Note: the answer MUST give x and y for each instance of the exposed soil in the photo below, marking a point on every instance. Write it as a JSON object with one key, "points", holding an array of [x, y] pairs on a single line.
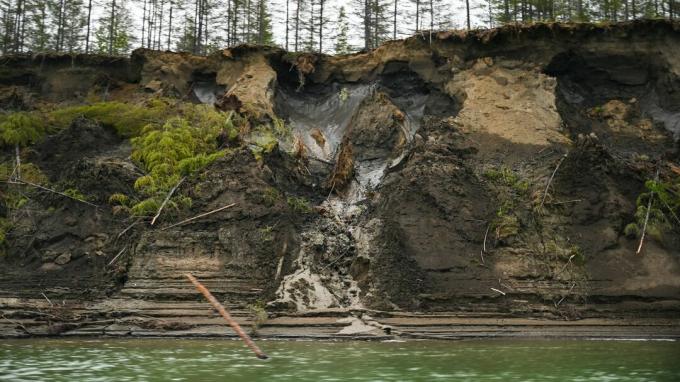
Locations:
{"points": [[425, 166]]}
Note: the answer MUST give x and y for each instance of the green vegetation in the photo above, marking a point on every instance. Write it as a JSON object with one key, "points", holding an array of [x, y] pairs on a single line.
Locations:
{"points": [[259, 315], [507, 177], [299, 205], [663, 212], [270, 196], [181, 147], [75, 194], [127, 119], [509, 188], [21, 128]]}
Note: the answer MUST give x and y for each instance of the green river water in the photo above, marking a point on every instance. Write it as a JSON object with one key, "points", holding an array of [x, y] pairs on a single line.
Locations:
{"points": [[225, 360]]}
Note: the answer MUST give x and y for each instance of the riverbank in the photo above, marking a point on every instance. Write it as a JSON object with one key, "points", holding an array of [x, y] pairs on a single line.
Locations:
{"points": [[518, 181], [198, 320]]}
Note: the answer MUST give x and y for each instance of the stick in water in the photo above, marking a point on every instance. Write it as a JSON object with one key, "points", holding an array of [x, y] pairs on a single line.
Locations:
{"points": [[234, 325]]}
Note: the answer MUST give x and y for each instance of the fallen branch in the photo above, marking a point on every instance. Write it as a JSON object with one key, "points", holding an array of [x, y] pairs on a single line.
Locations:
{"points": [[167, 198], [566, 202], [223, 312], [116, 257], [483, 251], [565, 296], [199, 216], [649, 209], [19, 324], [499, 291], [545, 193], [50, 190], [128, 228], [48, 300]]}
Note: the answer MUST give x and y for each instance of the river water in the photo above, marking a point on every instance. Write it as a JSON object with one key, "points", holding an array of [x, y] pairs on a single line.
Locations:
{"points": [[230, 361]]}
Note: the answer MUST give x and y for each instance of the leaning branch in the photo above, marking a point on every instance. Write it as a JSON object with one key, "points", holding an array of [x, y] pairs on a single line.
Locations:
{"points": [[199, 216], [167, 198], [547, 186], [649, 209], [223, 312], [50, 190]]}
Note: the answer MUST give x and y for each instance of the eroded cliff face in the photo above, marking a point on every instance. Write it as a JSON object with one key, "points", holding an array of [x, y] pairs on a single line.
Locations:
{"points": [[491, 172]]}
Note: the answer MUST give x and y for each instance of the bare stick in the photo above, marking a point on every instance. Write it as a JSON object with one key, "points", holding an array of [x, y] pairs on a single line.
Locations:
{"points": [[199, 216], [48, 300], [567, 201], [547, 186], [127, 228], [670, 210], [486, 234], [499, 291], [565, 296], [51, 190], [649, 208], [116, 257], [223, 312], [19, 324], [18, 161], [167, 198]]}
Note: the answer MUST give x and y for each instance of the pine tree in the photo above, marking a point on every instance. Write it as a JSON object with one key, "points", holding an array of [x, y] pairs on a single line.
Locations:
{"points": [[341, 42], [113, 35]]}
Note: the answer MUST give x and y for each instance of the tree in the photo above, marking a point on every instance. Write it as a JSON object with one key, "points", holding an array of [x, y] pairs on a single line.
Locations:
{"points": [[341, 43], [113, 35]]}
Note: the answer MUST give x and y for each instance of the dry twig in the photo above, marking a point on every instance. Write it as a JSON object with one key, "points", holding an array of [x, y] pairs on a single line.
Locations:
{"points": [[547, 186], [199, 216], [167, 198], [649, 208]]}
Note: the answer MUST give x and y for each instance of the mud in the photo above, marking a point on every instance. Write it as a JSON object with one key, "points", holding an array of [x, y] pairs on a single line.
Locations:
{"points": [[425, 165]]}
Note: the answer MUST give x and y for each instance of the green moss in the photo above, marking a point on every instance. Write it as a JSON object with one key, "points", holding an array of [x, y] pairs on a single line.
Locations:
{"points": [[127, 119], [663, 212], [299, 205], [271, 196], [119, 199], [21, 128], [181, 147], [631, 230], [75, 194], [505, 176]]}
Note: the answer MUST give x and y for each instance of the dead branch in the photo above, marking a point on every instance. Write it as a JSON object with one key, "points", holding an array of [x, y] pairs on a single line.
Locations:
{"points": [[128, 228], [116, 257], [19, 324], [565, 296], [649, 209], [497, 290], [50, 190], [547, 186], [48, 300], [483, 251], [167, 198], [223, 312], [199, 216]]}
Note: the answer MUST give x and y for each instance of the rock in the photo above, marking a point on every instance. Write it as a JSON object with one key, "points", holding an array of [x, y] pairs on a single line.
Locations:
{"points": [[63, 259]]}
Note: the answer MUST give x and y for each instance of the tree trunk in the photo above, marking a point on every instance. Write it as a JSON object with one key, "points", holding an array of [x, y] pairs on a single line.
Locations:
{"points": [[394, 21], [467, 13], [287, 6], [111, 25], [170, 27], [321, 25], [143, 22], [89, 19]]}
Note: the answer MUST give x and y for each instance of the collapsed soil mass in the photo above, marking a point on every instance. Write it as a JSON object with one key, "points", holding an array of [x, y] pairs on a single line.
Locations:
{"points": [[425, 163]]}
